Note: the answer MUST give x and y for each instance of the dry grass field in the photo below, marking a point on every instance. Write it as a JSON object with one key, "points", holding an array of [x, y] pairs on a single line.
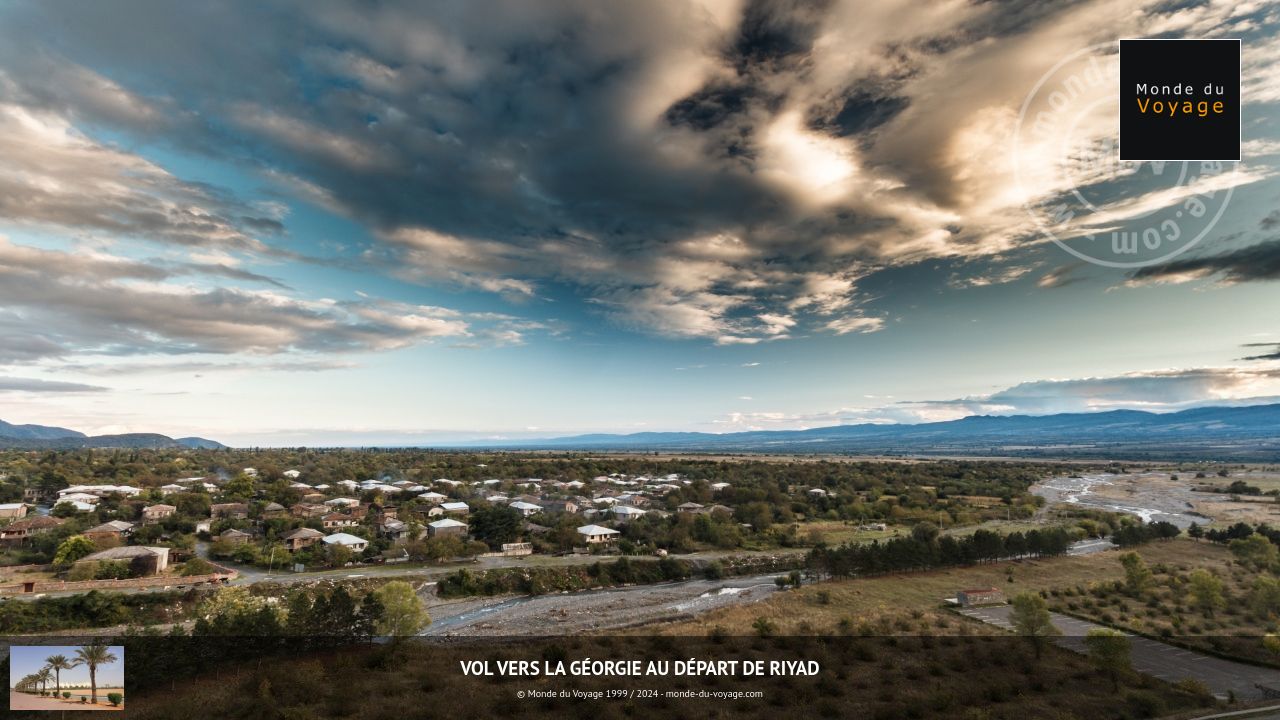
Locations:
{"points": [[917, 598]]}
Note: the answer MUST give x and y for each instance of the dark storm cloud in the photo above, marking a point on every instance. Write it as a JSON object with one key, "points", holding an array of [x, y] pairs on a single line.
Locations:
{"points": [[698, 169], [1272, 351], [1248, 264]]}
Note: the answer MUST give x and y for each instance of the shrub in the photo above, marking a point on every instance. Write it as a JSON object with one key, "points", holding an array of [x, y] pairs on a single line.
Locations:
{"points": [[115, 698], [764, 627], [66, 694]]}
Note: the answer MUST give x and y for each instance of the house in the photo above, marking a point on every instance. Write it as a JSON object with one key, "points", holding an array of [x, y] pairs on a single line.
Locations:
{"points": [[525, 508], [308, 510], [13, 510], [100, 490], [689, 507], [596, 534], [626, 513], [229, 510], [337, 520], [717, 487], [356, 544], [434, 498], [561, 506], [274, 510], [342, 502], [292, 474], [114, 530], [144, 560], [301, 538], [455, 508], [202, 526], [234, 537], [171, 488], [395, 530], [82, 498], [817, 492], [20, 530], [980, 596], [447, 526], [152, 513]]}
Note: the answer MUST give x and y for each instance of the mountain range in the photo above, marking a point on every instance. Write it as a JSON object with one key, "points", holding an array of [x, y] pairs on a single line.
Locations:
{"points": [[1251, 432], [59, 438]]}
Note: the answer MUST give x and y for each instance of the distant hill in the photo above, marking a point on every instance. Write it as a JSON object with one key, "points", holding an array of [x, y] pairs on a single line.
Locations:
{"points": [[199, 443], [36, 432], [1240, 433], [40, 437]]}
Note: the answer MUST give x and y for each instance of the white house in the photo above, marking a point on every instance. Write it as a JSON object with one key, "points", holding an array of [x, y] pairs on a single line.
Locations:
{"points": [[433, 497], [342, 502], [625, 513], [79, 497], [594, 534], [526, 508], [455, 508], [292, 474], [356, 544]]}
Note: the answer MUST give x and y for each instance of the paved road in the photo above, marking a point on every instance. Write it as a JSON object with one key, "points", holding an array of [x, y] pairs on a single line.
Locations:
{"points": [[1161, 660], [1089, 547]]}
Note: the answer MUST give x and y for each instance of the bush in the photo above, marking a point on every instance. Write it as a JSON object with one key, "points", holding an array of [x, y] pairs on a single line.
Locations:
{"points": [[764, 627], [66, 694], [115, 698]]}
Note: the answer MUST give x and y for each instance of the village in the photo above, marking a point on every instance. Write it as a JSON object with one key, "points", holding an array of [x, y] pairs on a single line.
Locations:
{"points": [[196, 527]]}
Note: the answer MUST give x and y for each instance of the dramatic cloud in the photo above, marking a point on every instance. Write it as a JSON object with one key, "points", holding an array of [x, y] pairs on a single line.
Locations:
{"points": [[92, 303], [1251, 263], [718, 169], [1157, 391]]}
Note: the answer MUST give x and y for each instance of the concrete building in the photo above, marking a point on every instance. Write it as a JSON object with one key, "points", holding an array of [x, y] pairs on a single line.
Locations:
{"points": [[596, 534], [447, 526]]}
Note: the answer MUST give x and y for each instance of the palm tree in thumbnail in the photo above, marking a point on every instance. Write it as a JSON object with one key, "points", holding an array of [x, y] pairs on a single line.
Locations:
{"points": [[43, 676], [58, 663], [93, 656]]}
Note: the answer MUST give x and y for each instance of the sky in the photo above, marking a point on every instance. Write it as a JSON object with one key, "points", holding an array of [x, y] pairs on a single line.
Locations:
{"points": [[325, 222], [28, 659]]}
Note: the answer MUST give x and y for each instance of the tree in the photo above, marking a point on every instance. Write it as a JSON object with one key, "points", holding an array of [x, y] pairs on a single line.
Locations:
{"points": [[93, 656], [1271, 642], [1031, 619], [1137, 576], [58, 663], [338, 554], [72, 549], [1264, 599], [1109, 653], [403, 612], [495, 525], [1206, 591], [1255, 552], [43, 676], [1195, 531], [925, 532]]}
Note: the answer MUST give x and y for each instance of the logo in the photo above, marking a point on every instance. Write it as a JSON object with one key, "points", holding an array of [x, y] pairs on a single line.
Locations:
{"points": [[1101, 209]]}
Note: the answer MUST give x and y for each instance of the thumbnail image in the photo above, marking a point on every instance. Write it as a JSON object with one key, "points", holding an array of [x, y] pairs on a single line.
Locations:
{"points": [[66, 677]]}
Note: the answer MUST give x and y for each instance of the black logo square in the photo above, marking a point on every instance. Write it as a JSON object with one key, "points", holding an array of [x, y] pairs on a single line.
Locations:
{"points": [[1179, 99]]}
